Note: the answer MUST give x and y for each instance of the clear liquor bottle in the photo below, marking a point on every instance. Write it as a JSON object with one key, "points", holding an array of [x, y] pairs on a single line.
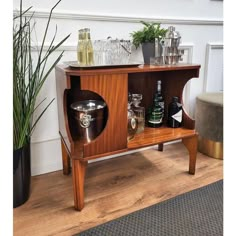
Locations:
{"points": [[139, 111], [81, 50], [89, 48]]}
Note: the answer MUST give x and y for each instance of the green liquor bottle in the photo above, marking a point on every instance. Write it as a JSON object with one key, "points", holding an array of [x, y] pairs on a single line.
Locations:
{"points": [[155, 116], [158, 96], [156, 112]]}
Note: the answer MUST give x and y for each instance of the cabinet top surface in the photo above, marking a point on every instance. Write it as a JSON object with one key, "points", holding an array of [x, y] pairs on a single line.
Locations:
{"points": [[133, 69]]}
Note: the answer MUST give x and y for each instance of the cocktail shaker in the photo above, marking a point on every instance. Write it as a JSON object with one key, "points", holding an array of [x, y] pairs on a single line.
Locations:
{"points": [[171, 53]]}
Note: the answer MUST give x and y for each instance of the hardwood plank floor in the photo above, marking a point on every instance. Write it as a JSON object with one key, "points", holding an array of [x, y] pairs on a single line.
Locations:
{"points": [[113, 188]]}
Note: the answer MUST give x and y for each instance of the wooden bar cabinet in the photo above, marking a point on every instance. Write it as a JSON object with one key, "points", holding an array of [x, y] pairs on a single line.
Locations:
{"points": [[112, 84]]}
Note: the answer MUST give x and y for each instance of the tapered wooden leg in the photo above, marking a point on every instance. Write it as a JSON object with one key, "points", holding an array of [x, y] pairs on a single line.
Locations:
{"points": [[65, 159], [160, 147], [191, 144], [78, 173]]}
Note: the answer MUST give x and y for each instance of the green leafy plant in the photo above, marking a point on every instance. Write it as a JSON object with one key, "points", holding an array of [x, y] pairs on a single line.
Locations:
{"points": [[148, 34], [29, 75]]}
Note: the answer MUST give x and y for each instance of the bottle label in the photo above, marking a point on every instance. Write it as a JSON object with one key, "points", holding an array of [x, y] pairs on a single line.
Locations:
{"points": [[155, 121], [178, 116], [133, 123], [155, 118]]}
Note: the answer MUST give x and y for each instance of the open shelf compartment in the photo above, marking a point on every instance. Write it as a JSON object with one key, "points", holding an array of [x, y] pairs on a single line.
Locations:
{"points": [[153, 136]]}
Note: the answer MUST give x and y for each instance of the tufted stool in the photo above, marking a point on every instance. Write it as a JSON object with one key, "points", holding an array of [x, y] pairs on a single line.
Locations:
{"points": [[209, 124]]}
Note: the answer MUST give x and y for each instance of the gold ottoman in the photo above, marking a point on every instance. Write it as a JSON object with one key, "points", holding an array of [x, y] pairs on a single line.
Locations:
{"points": [[209, 124]]}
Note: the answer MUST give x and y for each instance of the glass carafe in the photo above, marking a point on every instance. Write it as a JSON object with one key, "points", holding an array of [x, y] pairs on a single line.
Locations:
{"points": [[139, 111], [132, 121]]}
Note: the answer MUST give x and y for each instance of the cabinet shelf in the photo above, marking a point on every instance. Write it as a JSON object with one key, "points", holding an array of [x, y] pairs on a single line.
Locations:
{"points": [[152, 136], [149, 137]]}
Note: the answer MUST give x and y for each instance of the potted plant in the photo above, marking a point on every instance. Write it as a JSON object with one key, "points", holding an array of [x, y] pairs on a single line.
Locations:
{"points": [[29, 76], [146, 38]]}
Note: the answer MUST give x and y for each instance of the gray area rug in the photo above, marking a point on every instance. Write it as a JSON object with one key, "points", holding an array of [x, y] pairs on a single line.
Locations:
{"points": [[196, 213]]}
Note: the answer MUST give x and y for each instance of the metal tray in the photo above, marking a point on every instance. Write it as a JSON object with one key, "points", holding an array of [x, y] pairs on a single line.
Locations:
{"points": [[74, 64]]}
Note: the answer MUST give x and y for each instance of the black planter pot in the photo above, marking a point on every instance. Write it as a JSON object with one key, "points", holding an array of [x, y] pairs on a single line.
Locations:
{"points": [[148, 51], [21, 175]]}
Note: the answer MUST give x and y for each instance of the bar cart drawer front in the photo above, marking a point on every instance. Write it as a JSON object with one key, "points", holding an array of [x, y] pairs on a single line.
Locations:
{"points": [[113, 88]]}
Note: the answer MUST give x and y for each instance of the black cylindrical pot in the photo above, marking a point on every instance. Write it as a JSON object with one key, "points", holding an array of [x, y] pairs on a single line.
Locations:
{"points": [[148, 51], [21, 175]]}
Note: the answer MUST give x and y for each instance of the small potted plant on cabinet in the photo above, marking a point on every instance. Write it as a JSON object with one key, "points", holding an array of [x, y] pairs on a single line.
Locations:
{"points": [[146, 38], [29, 76]]}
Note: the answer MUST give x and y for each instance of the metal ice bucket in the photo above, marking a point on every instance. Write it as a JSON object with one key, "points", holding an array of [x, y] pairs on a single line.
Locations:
{"points": [[89, 116]]}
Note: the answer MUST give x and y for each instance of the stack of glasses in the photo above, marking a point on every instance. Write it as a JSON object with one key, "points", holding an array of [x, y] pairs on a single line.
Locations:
{"points": [[102, 52], [112, 51]]}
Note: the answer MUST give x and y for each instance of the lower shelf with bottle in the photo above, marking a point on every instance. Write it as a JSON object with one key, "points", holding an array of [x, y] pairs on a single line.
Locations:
{"points": [[152, 136]]}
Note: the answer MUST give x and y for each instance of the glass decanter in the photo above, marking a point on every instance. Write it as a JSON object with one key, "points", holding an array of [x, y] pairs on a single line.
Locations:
{"points": [[139, 111], [132, 121]]}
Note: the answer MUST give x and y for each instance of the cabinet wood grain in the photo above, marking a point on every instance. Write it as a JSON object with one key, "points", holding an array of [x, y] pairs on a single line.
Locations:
{"points": [[112, 85]]}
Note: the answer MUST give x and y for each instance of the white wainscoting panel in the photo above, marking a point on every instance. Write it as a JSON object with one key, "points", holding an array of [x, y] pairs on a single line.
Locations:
{"points": [[213, 76], [46, 157]]}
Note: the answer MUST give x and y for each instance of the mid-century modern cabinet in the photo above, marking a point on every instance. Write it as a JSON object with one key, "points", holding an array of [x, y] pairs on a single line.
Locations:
{"points": [[112, 85]]}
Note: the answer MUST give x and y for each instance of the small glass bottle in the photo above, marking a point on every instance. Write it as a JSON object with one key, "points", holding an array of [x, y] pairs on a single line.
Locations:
{"points": [[139, 111], [174, 113], [132, 121], [89, 47], [81, 53]]}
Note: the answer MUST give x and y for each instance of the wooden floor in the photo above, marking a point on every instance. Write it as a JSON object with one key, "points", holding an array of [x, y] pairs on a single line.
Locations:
{"points": [[113, 188]]}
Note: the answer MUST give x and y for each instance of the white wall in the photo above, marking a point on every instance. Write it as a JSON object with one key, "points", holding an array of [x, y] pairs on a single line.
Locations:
{"points": [[200, 23]]}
